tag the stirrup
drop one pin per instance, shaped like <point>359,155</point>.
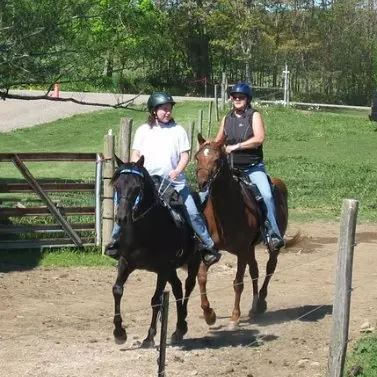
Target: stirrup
<point>210,257</point>
<point>276,242</point>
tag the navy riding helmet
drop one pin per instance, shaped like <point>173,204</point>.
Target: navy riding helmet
<point>242,88</point>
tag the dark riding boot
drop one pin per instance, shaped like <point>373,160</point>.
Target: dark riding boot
<point>111,249</point>
<point>275,242</point>
<point>210,256</point>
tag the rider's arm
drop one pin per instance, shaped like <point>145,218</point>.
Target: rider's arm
<point>183,161</point>
<point>220,137</point>
<point>258,138</point>
<point>135,155</point>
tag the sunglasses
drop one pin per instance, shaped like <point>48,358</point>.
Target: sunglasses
<point>239,97</point>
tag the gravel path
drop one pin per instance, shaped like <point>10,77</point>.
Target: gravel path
<point>21,113</point>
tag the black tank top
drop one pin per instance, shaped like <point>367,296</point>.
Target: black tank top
<point>237,130</point>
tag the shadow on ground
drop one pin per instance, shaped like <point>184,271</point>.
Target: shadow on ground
<point>224,338</point>
<point>306,313</point>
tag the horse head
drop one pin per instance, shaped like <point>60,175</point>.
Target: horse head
<point>210,159</point>
<point>129,183</point>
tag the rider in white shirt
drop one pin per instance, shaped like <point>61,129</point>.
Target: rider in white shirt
<point>165,147</point>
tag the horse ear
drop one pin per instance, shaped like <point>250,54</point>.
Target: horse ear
<point>201,139</point>
<point>140,162</point>
<point>119,162</point>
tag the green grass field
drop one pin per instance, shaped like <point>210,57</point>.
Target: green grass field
<point>323,157</point>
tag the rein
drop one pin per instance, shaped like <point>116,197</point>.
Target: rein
<point>138,198</point>
<point>217,172</point>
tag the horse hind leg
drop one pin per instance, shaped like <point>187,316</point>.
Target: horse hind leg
<point>181,326</point>
<point>156,303</point>
<point>270,269</point>
<point>238,287</point>
<point>119,332</point>
<point>208,313</point>
<point>254,274</point>
<point>192,271</point>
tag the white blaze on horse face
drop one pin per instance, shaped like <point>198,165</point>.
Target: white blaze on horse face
<point>206,152</point>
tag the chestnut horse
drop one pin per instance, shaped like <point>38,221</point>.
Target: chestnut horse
<point>235,222</point>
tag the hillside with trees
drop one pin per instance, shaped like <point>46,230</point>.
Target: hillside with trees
<point>137,46</point>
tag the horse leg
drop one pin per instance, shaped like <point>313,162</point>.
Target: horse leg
<point>208,312</point>
<point>238,289</point>
<point>119,332</point>
<point>192,271</point>
<point>181,327</point>
<point>270,269</point>
<point>156,303</point>
<point>254,274</point>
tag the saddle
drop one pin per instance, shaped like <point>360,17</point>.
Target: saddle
<point>251,190</point>
<point>171,199</point>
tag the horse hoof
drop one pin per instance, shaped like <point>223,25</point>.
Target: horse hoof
<point>120,336</point>
<point>232,326</point>
<point>147,344</point>
<point>177,336</point>
<point>210,317</point>
<point>262,306</point>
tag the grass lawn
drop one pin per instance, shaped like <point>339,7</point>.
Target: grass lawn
<point>324,157</point>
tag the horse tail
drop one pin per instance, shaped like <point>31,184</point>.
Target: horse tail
<point>294,241</point>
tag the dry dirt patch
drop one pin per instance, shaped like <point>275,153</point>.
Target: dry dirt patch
<point>58,321</point>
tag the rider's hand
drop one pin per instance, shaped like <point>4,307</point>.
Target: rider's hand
<point>174,174</point>
<point>232,148</point>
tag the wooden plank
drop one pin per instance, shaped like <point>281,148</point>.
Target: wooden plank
<point>47,186</point>
<point>43,211</point>
<point>49,156</point>
<point>42,242</point>
<point>51,206</point>
<point>44,228</point>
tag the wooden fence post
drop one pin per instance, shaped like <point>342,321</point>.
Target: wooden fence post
<point>209,119</point>
<point>223,90</point>
<point>124,141</point>
<point>108,190</point>
<point>98,186</point>
<point>216,103</point>
<point>191,138</point>
<point>343,286</point>
<point>200,126</point>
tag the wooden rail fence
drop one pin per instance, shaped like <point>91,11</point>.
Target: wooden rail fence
<point>15,234</point>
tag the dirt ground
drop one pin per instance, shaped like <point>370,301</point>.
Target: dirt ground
<point>58,321</point>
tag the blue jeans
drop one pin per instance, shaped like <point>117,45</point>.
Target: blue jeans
<point>195,218</point>
<point>258,176</point>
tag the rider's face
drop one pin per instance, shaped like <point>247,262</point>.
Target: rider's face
<point>164,113</point>
<point>239,101</point>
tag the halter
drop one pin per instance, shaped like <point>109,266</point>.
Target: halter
<point>218,170</point>
<point>138,198</point>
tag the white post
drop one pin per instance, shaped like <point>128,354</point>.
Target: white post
<point>98,199</point>
<point>286,86</point>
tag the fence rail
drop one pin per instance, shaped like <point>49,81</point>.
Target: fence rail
<point>16,234</point>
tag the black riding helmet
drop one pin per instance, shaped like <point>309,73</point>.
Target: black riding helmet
<point>159,98</point>
<point>242,88</point>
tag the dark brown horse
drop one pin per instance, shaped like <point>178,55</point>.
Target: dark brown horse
<point>151,240</point>
<point>235,223</point>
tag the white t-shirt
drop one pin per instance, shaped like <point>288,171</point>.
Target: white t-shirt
<point>161,146</point>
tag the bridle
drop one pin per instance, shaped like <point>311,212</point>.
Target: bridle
<point>138,198</point>
<point>211,177</point>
